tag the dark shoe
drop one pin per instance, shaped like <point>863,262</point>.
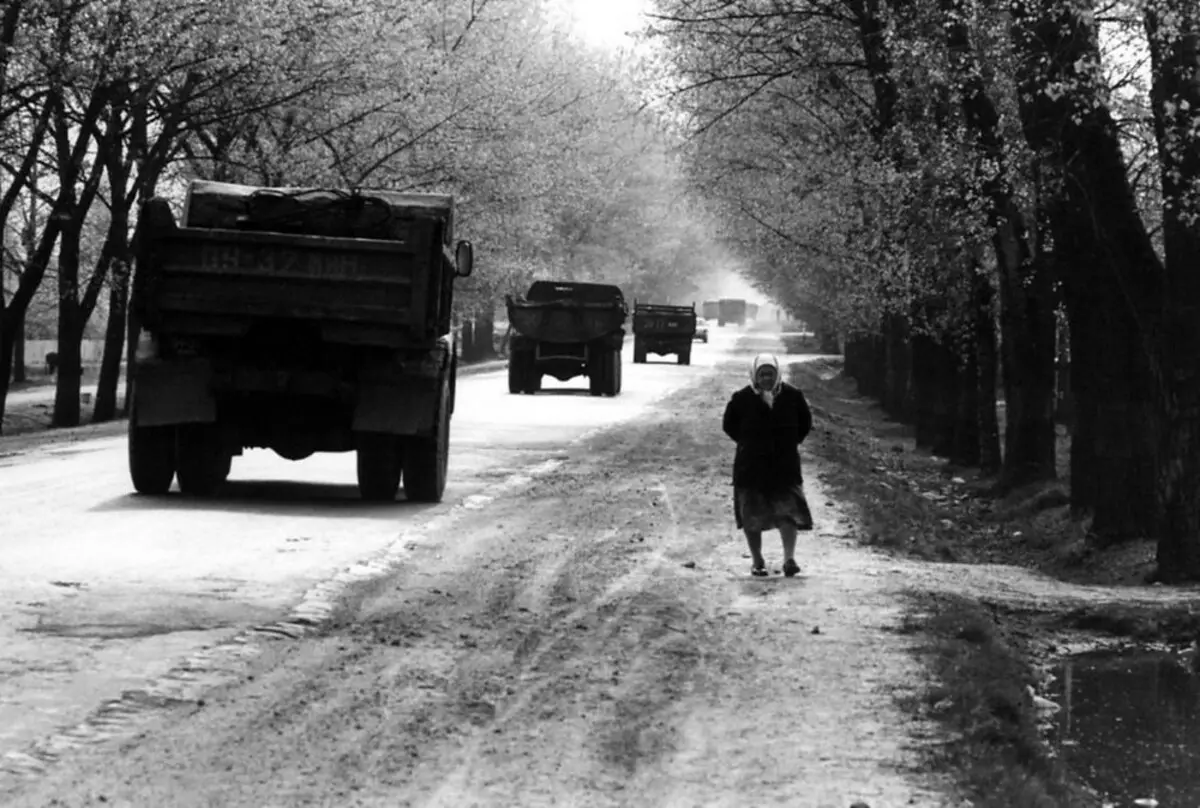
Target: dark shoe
<point>790,568</point>
<point>758,572</point>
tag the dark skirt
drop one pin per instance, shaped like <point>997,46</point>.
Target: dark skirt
<point>756,510</point>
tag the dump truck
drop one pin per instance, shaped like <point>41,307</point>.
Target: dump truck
<point>663,330</point>
<point>300,320</point>
<point>731,310</point>
<point>751,311</point>
<point>710,309</point>
<point>566,329</point>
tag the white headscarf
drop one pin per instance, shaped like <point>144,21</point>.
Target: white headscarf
<point>766,360</point>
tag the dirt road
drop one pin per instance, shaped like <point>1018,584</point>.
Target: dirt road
<point>584,633</point>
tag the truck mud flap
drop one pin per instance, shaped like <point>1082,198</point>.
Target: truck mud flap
<point>175,394</point>
<point>395,410</point>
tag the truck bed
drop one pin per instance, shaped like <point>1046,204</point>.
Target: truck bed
<point>663,320</point>
<point>564,321</point>
<point>210,281</point>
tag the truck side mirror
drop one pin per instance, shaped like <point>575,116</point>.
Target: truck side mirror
<point>464,259</point>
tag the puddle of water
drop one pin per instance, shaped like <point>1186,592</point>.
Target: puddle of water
<point>1129,726</point>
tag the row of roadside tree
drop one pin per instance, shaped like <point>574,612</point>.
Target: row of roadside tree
<point>559,163</point>
<point>947,183</point>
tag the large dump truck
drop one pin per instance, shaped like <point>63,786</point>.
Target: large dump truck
<point>731,311</point>
<point>298,320</point>
<point>663,330</point>
<point>566,329</point>
<point>710,309</point>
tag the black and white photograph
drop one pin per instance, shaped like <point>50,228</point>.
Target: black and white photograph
<point>599,403</point>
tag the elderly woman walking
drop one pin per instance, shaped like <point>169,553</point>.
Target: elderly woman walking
<point>769,419</point>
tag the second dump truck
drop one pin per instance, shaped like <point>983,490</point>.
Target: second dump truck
<point>566,329</point>
<point>663,330</point>
<point>298,320</point>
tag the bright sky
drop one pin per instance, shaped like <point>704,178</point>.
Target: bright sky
<point>604,23</point>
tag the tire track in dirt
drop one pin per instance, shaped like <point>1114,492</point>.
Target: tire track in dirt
<point>607,614</point>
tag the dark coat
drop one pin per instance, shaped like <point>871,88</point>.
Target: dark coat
<point>768,438</point>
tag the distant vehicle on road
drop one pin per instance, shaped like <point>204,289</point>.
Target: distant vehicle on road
<point>567,329</point>
<point>299,320</point>
<point>701,329</point>
<point>732,311</point>
<point>663,330</point>
<point>710,309</point>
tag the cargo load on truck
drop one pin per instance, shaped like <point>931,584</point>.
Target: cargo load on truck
<point>663,329</point>
<point>566,329</point>
<point>299,320</point>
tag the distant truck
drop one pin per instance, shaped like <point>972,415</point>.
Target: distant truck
<point>566,329</point>
<point>663,330</point>
<point>710,309</point>
<point>751,311</point>
<point>731,311</point>
<point>298,320</point>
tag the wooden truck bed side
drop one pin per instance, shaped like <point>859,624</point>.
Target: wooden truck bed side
<point>219,281</point>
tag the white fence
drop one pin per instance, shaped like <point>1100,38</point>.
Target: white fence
<point>36,350</point>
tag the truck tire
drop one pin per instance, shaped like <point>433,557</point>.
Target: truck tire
<point>685,357</point>
<point>203,464</point>
<point>427,460</point>
<point>612,373</point>
<point>151,457</point>
<point>533,379</point>
<point>639,352</point>
<point>516,379</point>
<point>380,460</point>
<point>598,374</point>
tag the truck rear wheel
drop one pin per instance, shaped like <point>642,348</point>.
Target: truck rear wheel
<point>380,460</point>
<point>203,463</point>
<point>427,460</point>
<point>598,374</point>
<point>533,380</point>
<point>151,457</point>
<point>612,373</point>
<point>639,353</point>
<point>685,357</point>
<point>516,379</point>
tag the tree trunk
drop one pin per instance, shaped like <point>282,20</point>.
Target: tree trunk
<point>1027,327</point>
<point>1111,273</point>
<point>898,368</point>
<point>925,383</point>
<point>967,448</point>
<point>946,399</point>
<point>854,365</point>
<point>1064,407</point>
<point>1026,284</point>
<point>70,331</point>
<point>18,356</point>
<point>470,344</point>
<point>1173,28</point>
<point>485,333</point>
<point>114,347</point>
<point>987,362</point>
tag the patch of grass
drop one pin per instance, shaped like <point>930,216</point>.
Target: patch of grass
<point>978,696</point>
<point>919,504</point>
